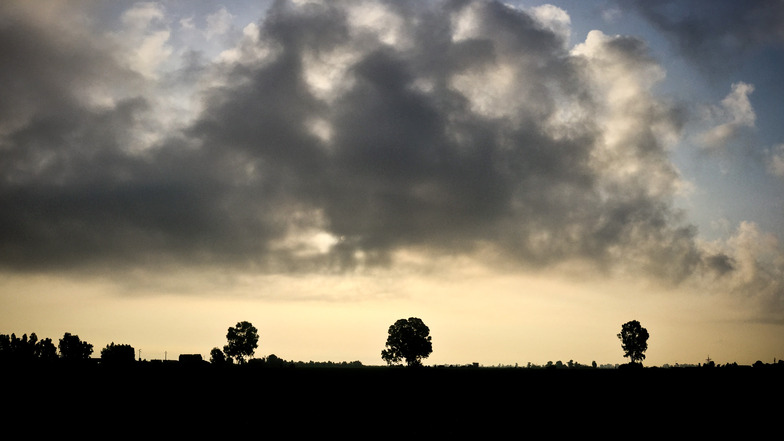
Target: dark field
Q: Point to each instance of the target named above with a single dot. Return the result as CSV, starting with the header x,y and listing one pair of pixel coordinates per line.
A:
x,y
373,401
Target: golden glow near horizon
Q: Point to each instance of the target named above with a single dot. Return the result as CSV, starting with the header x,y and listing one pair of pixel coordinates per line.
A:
x,y
502,320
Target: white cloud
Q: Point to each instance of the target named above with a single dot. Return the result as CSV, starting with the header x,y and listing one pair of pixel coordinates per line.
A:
x,y
758,260
611,15
142,14
187,23
218,23
776,161
554,19
145,37
376,20
249,49
632,120
733,115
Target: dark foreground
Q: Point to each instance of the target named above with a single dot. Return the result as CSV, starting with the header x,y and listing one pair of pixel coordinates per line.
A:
x,y
369,402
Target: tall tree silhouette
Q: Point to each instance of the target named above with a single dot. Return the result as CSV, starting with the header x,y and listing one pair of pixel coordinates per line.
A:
x,y
634,341
243,339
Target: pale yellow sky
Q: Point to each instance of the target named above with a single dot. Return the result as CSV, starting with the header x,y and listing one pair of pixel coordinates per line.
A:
x,y
486,319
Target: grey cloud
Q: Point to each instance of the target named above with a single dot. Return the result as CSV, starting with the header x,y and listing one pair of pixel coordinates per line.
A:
x,y
425,141
721,263
46,66
420,167
717,34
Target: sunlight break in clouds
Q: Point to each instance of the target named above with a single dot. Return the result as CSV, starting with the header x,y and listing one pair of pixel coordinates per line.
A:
x,y
146,36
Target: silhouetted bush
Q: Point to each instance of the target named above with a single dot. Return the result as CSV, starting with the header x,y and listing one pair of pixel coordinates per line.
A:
x,y
117,355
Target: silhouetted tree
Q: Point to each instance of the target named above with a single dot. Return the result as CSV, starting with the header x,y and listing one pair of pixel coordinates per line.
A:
x,y
408,340
217,357
45,350
26,350
13,348
72,348
634,341
5,347
243,339
273,361
120,354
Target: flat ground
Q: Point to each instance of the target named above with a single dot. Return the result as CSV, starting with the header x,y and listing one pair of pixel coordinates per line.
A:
x,y
442,402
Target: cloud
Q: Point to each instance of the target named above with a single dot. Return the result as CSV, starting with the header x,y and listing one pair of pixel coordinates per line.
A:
x,y
716,35
219,22
145,34
338,136
757,269
776,160
733,115
611,14
554,18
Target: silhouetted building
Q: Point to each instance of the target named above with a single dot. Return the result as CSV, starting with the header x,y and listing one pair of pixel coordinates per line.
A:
x,y
190,359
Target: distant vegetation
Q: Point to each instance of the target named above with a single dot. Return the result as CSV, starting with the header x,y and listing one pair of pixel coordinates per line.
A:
x,y
408,341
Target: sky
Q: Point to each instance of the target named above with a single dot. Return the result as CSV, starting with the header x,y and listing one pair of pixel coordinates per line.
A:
x,y
524,177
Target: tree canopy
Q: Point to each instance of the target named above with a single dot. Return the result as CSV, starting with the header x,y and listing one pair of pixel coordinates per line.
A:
x,y
117,354
243,339
72,348
217,357
24,349
409,340
634,341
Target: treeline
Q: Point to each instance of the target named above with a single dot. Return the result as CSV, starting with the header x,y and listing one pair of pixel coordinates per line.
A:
x,y
709,364
69,349
274,361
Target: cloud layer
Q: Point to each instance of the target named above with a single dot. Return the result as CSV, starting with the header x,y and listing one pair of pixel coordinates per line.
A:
x,y
341,135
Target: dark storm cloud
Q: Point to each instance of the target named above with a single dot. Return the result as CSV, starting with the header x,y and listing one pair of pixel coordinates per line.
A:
x,y
440,127
717,33
73,193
